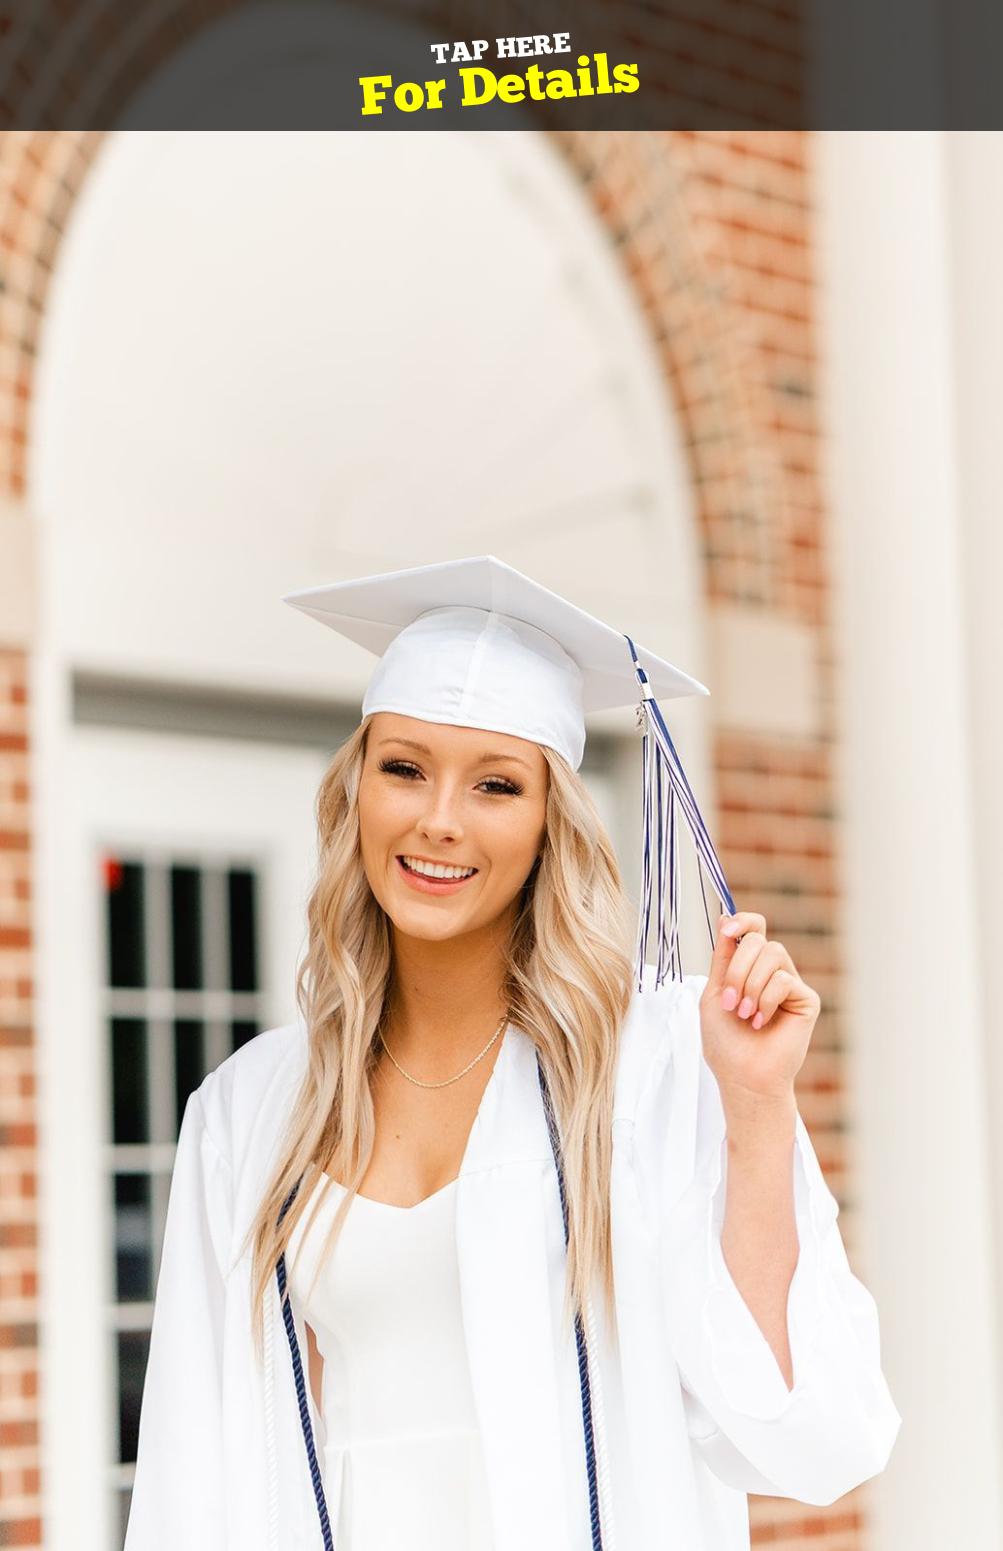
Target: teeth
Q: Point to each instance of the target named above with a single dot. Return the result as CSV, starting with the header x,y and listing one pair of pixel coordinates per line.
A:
x,y
437,870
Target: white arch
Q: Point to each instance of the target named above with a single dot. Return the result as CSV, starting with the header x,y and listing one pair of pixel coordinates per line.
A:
x,y
272,358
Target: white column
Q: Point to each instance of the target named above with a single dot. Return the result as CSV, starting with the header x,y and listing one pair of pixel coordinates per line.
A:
x,y
975,163
893,404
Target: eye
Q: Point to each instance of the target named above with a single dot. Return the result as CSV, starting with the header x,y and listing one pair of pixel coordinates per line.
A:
x,y
497,785
399,767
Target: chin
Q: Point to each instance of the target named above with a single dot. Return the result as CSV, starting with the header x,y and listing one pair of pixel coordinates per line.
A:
x,y
415,924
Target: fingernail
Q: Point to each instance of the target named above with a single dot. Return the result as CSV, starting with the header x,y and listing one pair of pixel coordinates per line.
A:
x,y
757,1021
728,998
747,1007
729,928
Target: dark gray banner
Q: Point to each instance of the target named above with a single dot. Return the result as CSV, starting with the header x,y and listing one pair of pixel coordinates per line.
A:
x,y
635,64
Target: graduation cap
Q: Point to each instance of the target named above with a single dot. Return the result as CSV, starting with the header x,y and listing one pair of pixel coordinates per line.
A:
x,y
475,643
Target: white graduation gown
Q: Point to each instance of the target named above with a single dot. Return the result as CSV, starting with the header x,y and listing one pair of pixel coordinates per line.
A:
x,y
695,1412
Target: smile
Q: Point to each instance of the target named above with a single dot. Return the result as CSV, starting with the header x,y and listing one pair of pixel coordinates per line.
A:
x,y
431,885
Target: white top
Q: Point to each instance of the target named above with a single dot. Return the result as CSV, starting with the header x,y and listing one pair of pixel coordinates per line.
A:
x,y
398,1408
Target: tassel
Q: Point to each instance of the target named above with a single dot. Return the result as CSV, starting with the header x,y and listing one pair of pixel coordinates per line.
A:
x,y
664,790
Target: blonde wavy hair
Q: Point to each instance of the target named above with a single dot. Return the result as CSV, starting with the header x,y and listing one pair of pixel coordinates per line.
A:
x,y
568,983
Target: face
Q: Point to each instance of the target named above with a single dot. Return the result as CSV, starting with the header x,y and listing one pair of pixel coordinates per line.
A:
x,y
460,796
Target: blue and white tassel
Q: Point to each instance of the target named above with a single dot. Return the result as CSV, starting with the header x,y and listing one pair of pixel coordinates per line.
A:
x,y
664,789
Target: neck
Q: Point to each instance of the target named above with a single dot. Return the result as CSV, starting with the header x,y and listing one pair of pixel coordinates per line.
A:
x,y
447,997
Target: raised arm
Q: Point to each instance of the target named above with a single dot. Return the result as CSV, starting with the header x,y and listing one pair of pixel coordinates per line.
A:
x,y
777,1349
757,1016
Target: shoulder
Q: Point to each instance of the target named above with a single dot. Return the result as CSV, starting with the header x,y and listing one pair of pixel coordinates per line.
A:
x,y
251,1090
662,1028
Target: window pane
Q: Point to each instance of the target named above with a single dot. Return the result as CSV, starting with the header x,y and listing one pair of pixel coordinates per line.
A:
x,y
195,941
130,1080
133,1350
189,1061
186,928
133,1238
126,923
243,931
241,1031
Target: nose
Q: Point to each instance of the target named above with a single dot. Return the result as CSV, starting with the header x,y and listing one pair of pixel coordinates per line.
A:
x,y
440,820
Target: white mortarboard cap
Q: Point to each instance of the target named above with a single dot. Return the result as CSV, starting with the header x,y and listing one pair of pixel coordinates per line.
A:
x,y
475,643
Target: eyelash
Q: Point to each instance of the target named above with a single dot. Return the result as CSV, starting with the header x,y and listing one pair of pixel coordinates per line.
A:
x,y
503,786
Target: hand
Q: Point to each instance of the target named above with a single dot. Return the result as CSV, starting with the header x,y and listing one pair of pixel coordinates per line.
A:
x,y
756,1013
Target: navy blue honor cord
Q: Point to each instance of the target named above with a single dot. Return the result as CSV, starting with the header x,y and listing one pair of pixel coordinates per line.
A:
x,y
304,1410
583,1356
583,1360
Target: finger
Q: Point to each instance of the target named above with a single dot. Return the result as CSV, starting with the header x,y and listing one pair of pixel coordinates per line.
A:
x,y
744,921
784,957
771,957
739,969
731,929
775,992
724,951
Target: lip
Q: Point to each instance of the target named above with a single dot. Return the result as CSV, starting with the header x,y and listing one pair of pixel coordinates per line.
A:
x,y
432,885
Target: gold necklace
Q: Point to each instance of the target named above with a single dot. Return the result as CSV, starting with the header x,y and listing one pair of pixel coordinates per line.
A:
x,y
417,1081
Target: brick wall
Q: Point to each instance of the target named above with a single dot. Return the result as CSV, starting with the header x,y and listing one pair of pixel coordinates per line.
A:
x,y
714,231
20,1465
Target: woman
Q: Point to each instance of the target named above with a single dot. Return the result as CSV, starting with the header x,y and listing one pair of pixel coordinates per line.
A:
x,y
563,1271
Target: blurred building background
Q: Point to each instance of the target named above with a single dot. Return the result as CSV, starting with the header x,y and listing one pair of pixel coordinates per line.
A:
x,y
736,393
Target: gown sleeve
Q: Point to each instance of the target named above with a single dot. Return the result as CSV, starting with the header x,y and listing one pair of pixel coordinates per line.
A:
x,y
178,1490
836,1427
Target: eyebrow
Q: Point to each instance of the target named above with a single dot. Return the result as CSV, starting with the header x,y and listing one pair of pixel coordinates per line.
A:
x,y
483,759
